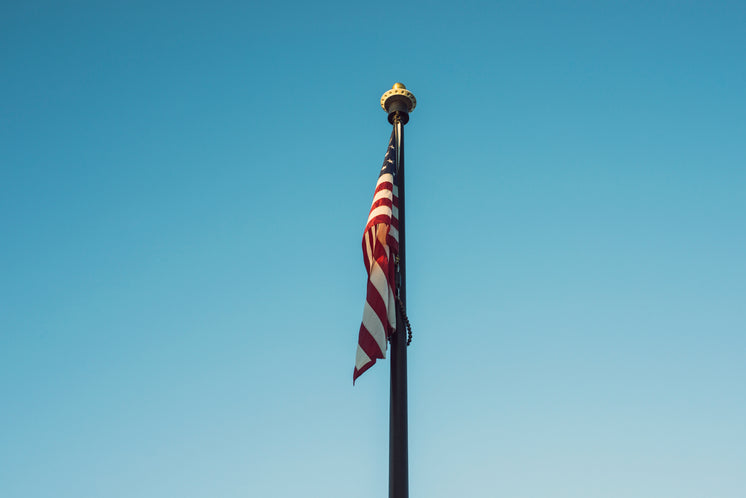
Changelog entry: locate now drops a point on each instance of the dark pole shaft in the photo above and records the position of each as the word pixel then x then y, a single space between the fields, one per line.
pixel 398 446
pixel 398 103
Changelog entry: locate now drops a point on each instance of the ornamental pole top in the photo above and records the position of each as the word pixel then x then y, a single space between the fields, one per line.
pixel 398 101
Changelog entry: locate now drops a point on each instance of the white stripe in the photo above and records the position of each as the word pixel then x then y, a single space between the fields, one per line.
pixel 380 282
pixel 393 232
pixel 361 359
pixel 375 327
pixel 381 194
pixel 368 247
pixel 384 210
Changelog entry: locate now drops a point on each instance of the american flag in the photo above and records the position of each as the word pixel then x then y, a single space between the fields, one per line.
pixel 380 247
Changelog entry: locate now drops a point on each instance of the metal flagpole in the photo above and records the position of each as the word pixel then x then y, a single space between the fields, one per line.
pixel 398 103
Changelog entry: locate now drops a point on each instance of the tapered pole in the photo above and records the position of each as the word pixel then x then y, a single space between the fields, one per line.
pixel 398 103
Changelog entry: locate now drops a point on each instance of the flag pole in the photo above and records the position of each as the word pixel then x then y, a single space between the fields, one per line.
pixel 398 103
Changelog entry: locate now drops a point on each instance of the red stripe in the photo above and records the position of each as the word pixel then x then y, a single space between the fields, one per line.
pixel 383 201
pixel 382 186
pixel 381 219
pixel 393 244
pixel 367 343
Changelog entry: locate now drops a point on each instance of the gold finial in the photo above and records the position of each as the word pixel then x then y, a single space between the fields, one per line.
pixel 398 101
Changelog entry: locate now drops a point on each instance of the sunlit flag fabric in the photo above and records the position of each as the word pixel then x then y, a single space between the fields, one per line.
pixel 380 247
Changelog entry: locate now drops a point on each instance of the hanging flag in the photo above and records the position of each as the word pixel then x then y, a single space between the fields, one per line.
pixel 380 247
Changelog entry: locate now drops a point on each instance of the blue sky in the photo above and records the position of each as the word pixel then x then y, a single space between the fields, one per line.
pixel 184 189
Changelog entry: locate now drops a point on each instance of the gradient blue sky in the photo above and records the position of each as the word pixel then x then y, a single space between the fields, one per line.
pixel 183 192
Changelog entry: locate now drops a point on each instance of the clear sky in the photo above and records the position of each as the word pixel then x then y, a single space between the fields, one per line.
pixel 183 189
